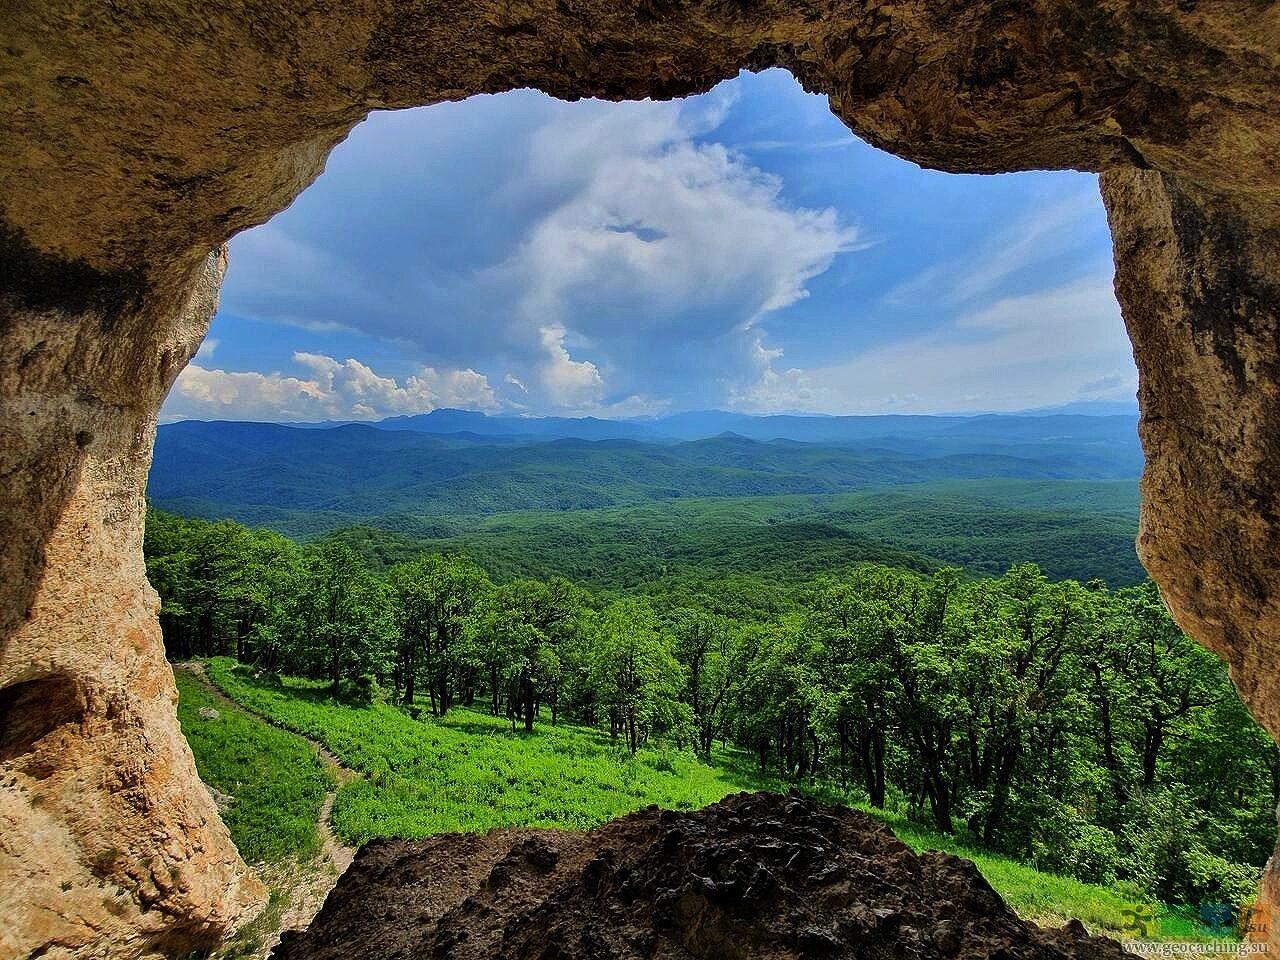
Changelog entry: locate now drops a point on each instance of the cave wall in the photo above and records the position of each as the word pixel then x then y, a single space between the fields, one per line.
pixel 1199 283
pixel 140 136
pixel 109 843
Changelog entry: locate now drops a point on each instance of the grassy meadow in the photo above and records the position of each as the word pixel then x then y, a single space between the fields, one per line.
pixel 274 779
pixel 470 772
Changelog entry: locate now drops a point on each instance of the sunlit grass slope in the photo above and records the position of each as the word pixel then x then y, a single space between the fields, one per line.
pixel 470 772
pixel 275 783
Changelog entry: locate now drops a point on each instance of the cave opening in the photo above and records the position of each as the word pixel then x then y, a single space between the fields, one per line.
pixel 166 134
pixel 622 263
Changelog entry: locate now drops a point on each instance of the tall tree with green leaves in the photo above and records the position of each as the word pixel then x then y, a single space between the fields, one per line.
pixel 1016 638
pixel 782 693
pixel 927 702
pixel 338 617
pixel 516 637
pixel 635 674
pixel 704 645
pixel 432 599
pixel 1172 676
pixel 859 619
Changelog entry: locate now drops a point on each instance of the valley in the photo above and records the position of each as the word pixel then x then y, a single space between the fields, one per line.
pixel 944 625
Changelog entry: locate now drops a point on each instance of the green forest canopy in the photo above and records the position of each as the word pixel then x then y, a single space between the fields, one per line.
pixel 1070 725
pixel 1073 529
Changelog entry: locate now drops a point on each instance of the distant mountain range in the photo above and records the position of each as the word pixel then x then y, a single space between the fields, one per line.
pixel 454 462
pixel 1074 420
pixel 1091 408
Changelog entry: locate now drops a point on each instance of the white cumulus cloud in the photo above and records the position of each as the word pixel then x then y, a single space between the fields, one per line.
pixel 665 253
pixel 597 254
pixel 568 382
pixel 332 390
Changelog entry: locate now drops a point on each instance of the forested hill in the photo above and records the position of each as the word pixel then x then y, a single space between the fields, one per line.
pixel 1075 529
pixel 1102 425
pixel 350 473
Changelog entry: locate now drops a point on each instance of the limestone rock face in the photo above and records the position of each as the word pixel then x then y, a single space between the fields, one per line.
pixel 1200 284
pixel 107 842
pixel 139 137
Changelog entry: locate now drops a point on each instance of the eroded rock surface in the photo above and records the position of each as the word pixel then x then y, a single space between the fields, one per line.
pixel 140 137
pixel 108 842
pixel 756 876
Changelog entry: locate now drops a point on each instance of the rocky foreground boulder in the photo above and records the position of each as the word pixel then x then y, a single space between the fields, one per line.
pixel 761 876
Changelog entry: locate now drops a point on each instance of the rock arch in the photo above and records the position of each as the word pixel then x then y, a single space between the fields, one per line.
pixel 140 137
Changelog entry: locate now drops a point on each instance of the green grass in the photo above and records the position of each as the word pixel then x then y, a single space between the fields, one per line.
pixel 250 940
pixel 1049 898
pixel 276 781
pixel 470 772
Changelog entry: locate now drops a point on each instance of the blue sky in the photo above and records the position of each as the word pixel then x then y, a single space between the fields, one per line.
pixel 737 250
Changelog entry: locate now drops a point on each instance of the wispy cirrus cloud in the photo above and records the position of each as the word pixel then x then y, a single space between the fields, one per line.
pixel 1015 247
pixel 1013 353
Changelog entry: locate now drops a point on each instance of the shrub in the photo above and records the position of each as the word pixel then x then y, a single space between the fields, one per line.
pixel 1069 844
pixel 1218 880
pixel 1169 858
pixel 364 689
